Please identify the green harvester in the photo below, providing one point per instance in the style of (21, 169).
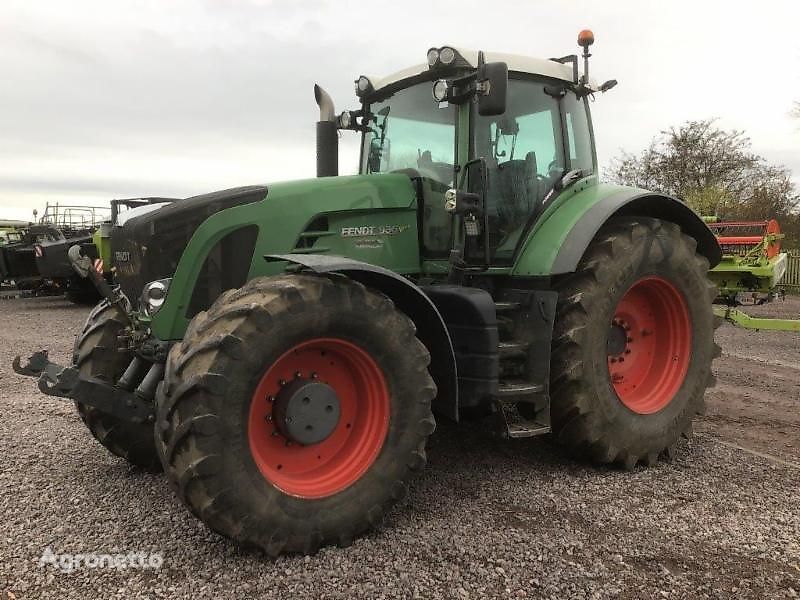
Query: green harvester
(750, 270)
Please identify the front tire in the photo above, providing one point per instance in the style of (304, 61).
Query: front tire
(633, 343)
(284, 344)
(81, 291)
(96, 355)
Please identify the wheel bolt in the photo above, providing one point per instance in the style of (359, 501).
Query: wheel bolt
(621, 359)
(268, 417)
(288, 443)
(282, 382)
(630, 339)
(627, 351)
(271, 398)
(274, 433)
(613, 359)
(297, 374)
(314, 375)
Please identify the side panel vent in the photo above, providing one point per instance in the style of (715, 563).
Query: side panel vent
(311, 240)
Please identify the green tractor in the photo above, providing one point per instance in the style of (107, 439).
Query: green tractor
(285, 351)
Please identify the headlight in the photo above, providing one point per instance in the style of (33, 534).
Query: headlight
(153, 296)
(433, 56)
(440, 90)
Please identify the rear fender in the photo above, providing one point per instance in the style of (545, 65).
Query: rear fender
(560, 238)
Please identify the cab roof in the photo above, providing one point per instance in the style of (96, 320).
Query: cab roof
(516, 63)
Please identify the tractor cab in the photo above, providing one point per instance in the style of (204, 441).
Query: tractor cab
(511, 130)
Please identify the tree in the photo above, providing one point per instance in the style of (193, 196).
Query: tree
(716, 173)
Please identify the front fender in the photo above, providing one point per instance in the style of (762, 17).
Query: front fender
(409, 298)
(559, 239)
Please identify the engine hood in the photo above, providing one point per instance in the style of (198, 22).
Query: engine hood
(148, 246)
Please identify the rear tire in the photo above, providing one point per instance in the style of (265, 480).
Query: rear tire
(640, 294)
(219, 423)
(96, 355)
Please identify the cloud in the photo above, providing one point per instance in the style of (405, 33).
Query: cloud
(107, 99)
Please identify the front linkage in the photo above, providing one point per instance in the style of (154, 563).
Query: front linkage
(66, 382)
(130, 398)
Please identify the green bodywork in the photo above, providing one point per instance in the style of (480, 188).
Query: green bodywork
(551, 230)
(371, 218)
(385, 203)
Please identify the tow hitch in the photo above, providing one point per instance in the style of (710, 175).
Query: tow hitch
(65, 382)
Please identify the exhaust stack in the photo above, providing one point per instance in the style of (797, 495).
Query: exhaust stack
(327, 135)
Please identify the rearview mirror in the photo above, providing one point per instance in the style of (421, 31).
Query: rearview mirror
(492, 85)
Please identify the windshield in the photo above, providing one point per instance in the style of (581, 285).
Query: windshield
(409, 131)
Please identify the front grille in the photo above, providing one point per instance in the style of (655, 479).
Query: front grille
(149, 247)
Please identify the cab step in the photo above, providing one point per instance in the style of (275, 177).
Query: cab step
(506, 306)
(513, 425)
(518, 390)
(513, 349)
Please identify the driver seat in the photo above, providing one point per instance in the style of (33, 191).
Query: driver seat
(518, 189)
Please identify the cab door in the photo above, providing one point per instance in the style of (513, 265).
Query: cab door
(524, 154)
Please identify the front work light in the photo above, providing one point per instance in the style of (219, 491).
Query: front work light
(345, 120)
(447, 55)
(433, 56)
(363, 85)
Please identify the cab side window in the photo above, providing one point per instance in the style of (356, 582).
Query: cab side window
(578, 135)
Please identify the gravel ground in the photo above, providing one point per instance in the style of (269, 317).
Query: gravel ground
(488, 518)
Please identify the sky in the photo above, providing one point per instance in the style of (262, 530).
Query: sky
(104, 99)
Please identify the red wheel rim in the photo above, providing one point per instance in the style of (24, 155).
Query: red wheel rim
(325, 468)
(649, 345)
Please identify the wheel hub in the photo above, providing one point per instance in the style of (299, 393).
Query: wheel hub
(306, 411)
(617, 339)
